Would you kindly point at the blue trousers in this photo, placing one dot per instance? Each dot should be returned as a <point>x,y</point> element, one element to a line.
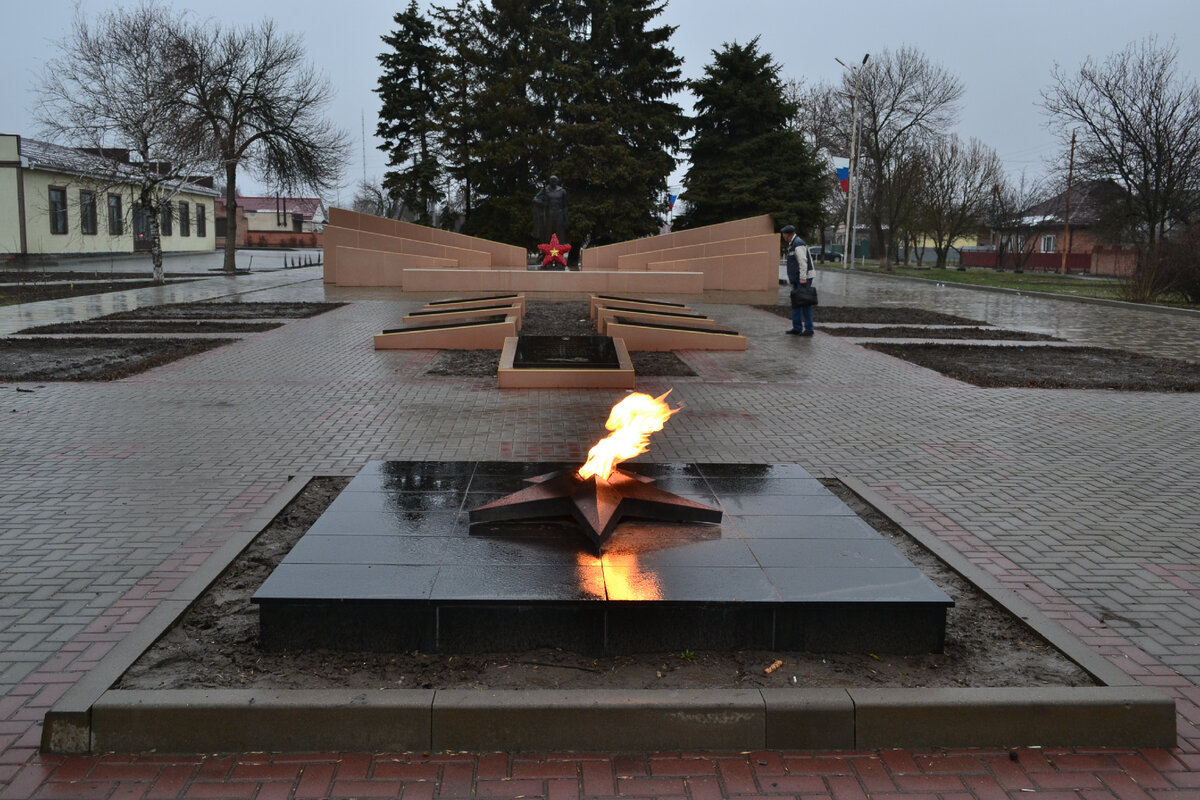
<point>802,317</point>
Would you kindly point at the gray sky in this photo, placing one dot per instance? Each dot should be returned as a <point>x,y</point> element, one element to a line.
<point>1002,51</point>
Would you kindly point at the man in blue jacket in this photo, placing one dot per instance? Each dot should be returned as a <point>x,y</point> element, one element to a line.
<point>797,255</point>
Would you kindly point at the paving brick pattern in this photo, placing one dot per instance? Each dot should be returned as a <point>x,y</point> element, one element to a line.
<point>1086,503</point>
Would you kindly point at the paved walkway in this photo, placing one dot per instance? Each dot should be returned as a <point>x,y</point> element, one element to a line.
<point>1085,502</point>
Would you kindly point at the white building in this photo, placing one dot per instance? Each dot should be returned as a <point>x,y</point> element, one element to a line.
<point>62,201</point>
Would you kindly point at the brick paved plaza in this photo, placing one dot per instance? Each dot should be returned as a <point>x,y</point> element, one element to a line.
<point>1086,503</point>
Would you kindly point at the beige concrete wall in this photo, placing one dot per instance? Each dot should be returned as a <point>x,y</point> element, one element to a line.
<point>460,280</point>
<point>760,243</point>
<point>475,337</point>
<point>606,257</point>
<point>499,254</point>
<point>734,272</point>
<point>369,240</point>
<point>662,339</point>
<point>361,267</point>
<point>413,251</point>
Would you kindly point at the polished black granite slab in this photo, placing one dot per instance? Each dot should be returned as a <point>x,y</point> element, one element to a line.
<point>565,352</point>
<point>393,563</point>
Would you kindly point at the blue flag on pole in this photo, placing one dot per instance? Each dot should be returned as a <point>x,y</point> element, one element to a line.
<point>843,174</point>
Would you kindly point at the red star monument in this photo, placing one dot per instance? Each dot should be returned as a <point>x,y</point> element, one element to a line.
<point>554,253</point>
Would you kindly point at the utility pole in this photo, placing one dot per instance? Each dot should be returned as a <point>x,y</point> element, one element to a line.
<point>1067,215</point>
<point>851,186</point>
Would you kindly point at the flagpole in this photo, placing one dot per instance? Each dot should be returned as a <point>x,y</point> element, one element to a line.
<point>851,195</point>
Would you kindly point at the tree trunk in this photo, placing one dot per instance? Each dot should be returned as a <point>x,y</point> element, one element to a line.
<point>230,216</point>
<point>156,253</point>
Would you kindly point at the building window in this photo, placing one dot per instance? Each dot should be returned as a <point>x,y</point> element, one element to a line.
<point>164,220</point>
<point>116,221</point>
<point>185,219</point>
<point>1049,243</point>
<point>141,223</point>
<point>87,213</point>
<point>201,222</point>
<point>58,209</point>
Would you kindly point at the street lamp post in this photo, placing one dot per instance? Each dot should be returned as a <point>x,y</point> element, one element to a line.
<point>851,186</point>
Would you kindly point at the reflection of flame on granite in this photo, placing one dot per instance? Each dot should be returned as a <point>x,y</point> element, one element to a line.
<point>598,505</point>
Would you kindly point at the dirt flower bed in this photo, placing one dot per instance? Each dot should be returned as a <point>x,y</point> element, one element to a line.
<point>1007,366</point>
<point>215,645</point>
<point>957,332</point>
<point>92,359</point>
<point>226,310</point>
<point>120,326</point>
<point>875,315</point>
<point>1050,367</point>
<point>106,358</point>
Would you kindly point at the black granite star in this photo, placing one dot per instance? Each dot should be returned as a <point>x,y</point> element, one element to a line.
<point>598,505</point>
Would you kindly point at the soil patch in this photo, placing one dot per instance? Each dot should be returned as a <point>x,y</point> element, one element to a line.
<point>999,366</point>
<point>215,644</point>
<point>226,310</point>
<point>120,326</point>
<point>881,315</point>
<point>87,359</point>
<point>957,332</point>
<point>551,319</point>
<point>112,358</point>
<point>1050,367</point>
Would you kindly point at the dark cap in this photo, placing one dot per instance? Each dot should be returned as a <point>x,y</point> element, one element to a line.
<point>787,229</point>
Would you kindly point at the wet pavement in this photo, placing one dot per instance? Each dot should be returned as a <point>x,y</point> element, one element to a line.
<point>184,263</point>
<point>1085,503</point>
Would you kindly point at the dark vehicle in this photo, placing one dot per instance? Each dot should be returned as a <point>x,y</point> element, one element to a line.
<point>819,255</point>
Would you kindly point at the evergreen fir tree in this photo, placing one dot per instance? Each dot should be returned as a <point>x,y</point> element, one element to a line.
<point>504,119</point>
<point>458,78</point>
<point>578,89</point>
<point>744,159</point>
<point>618,130</point>
<point>410,107</point>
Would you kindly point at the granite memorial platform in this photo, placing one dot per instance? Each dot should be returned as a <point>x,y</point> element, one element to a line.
<point>394,564</point>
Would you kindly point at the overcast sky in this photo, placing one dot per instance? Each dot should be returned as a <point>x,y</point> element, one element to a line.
<point>1002,51</point>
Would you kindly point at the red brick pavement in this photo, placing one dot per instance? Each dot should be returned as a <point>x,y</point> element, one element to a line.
<point>977,775</point>
<point>1045,774</point>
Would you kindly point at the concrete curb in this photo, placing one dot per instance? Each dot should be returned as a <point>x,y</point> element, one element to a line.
<point>93,718</point>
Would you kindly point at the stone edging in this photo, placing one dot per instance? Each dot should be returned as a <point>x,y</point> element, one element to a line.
<point>90,717</point>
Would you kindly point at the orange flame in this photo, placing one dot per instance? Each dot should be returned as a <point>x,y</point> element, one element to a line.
<point>631,421</point>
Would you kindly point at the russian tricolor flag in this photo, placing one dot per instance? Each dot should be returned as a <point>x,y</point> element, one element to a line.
<point>843,174</point>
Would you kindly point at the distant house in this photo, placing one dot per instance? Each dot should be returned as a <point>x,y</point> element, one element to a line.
<point>1035,238</point>
<point>275,221</point>
<point>58,201</point>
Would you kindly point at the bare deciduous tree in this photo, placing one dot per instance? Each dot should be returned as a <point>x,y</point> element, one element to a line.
<point>261,104</point>
<point>112,87</point>
<point>956,190</point>
<point>1138,123</point>
<point>372,197</point>
<point>904,101</point>
<point>816,118</point>
<point>1010,218</point>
